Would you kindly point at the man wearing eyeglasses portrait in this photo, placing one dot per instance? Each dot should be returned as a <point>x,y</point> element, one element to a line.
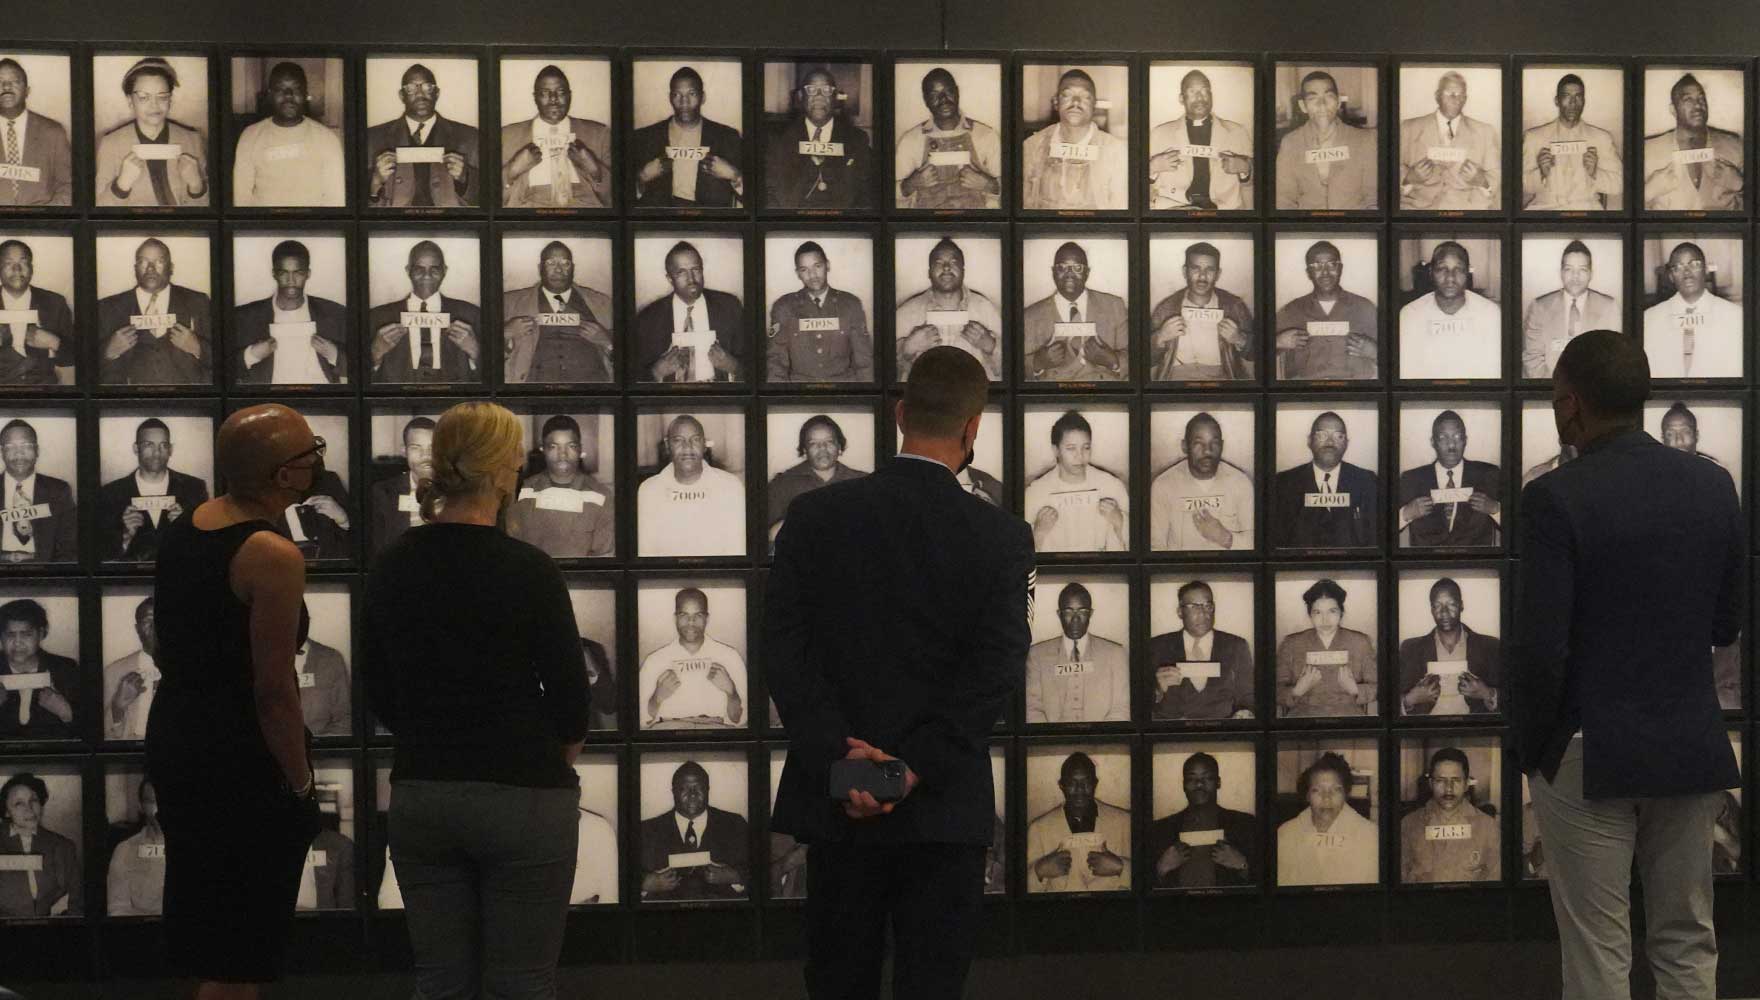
<point>1077,676</point>
<point>399,180</point>
<point>1329,333</point>
<point>1076,333</point>
<point>1200,672</point>
<point>130,173</point>
<point>1693,333</point>
<point>555,160</point>
<point>821,159</point>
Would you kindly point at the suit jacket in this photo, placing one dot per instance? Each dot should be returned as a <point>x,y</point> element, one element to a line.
<point>1348,185</point>
<point>1470,526</point>
<point>399,192</point>
<point>117,143</point>
<point>1484,659</point>
<point>115,497</point>
<point>250,326</point>
<point>387,521</point>
<point>1546,326</point>
<point>560,355</point>
<point>1628,665</point>
<point>649,143</point>
<point>59,879</point>
<point>584,192</point>
<point>47,149</point>
<point>56,536</point>
<point>1112,325</point>
<point>896,612</point>
<point>1221,697</point>
<point>727,838</point>
<point>325,539</point>
<point>1299,526</point>
<point>327,705</point>
<point>455,365</point>
<point>1447,192</point>
<point>654,334</point>
<point>35,366</point>
<point>795,181</point>
<point>1238,828</point>
<point>155,360</point>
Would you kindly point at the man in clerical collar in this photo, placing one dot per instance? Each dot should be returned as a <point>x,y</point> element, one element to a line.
<point>693,827</point>
<point>1056,346</point>
<point>34,713</point>
<point>555,160</point>
<point>320,357</point>
<point>1426,521</point>
<point>562,509</point>
<point>1468,184</point>
<point>1202,502</point>
<point>1327,502</point>
<point>33,353</point>
<point>687,159</point>
<point>1472,686</point>
<point>131,681</point>
<point>50,534</point>
<point>1308,345</point>
<point>133,510</point>
<point>150,354</point>
<point>1586,179</point>
<point>394,499</point>
<point>690,507</point>
<point>1217,342</point>
<point>1341,172</point>
<point>540,342</point>
<point>32,141</point>
<point>833,344</point>
<point>1449,838</point>
<point>1676,176</point>
<point>821,450</point>
<point>425,353</point>
<point>1555,318</point>
<point>1219,846</point>
<point>1693,333</point>
<point>1073,163</point>
<point>123,176</point>
<point>950,313</point>
<point>1453,332</point>
<point>1077,676</point>
<point>695,681</point>
<point>391,183</point>
<point>690,307</point>
<point>1219,179</point>
<point>1081,844</point>
<point>822,159</point>
<point>969,172</point>
<point>288,158</point>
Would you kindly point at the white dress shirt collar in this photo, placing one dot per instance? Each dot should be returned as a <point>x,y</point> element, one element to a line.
<point>146,488</point>
<point>1320,483</point>
<point>1063,304</point>
<point>160,305</point>
<point>824,130</point>
<point>1069,647</point>
<point>1442,123</point>
<point>410,125</point>
<point>701,822</point>
<point>1442,473</point>
<point>1198,647</point>
<point>699,311</point>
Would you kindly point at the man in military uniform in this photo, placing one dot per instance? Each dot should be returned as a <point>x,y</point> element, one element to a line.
<point>820,333</point>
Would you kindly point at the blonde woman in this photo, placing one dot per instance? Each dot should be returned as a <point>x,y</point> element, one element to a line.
<point>473,661</point>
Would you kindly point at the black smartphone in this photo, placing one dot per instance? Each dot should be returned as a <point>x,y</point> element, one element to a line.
<point>882,779</point>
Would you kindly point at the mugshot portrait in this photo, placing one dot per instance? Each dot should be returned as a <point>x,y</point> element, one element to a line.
<point>421,148</point>
<point>1450,804</point>
<point>819,307</point>
<point>1077,120</point>
<point>691,323</point>
<point>1692,119</point>
<point>1571,284</point>
<point>983,478</point>
<point>327,879</point>
<point>694,840</point>
<point>322,664</point>
<point>40,841</point>
<point>1327,623</point>
<point>36,107</point>
<point>1326,120</point>
<point>322,525</point>
<point>567,500</point>
<point>1450,288</point>
<point>808,447</point>
<point>596,854</point>
<point>1202,120</point>
<point>291,321</point>
<point>424,325</point>
<point>400,455</point>
<point>134,874</point>
<point>1202,477</point>
<point>150,121</point>
<point>1204,284</point>
<point>1204,829</point>
<point>595,616</point>
<point>39,519</point>
<point>691,465</point>
<point>558,322</point>
<point>131,674</point>
<point>1078,667</point>
<point>818,122</point>
<point>1450,492</point>
<point>1693,301</point>
<point>1449,625</point>
<point>687,148</point>
<point>949,286</point>
<point>41,696</point>
<point>155,465</point>
<point>1328,491</point>
<point>1202,630</point>
<point>1327,811</point>
<point>788,856</point>
<point>555,120</point>
<point>948,153</point>
<point>1573,138</point>
<point>1078,810</point>
<point>288,117</point>
<point>1327,287</point>
<point>1450,137</point>
<point>39,344</point>
<point>691,636</point>
<point>155,311</point>
<point>1075,299</point>
<point>1077,473</point>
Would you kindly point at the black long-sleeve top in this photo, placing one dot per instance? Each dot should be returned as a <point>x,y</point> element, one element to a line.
<point>472,658</point>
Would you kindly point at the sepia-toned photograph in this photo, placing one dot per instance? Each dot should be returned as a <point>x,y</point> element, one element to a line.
<point>291,321</point>
<point>1327,494</point>
<point>131,670</point>
<point>1202,492</point>
<point>155,311</point>
<point>692,467</point>
<point>39,345</point>
<point>1077,120</point>
<point>595,615</point>
<point>1692,119</point>
<point>567,500</point>
<point>1450,805</point>
<point>1201,633</point>
<point>1327,121</point>
<point>327,879</point>
<point>692,640</point>
<point>1450,137</point>
<point>36,104</point>
<point>400,454</point>
<point>150,116</point>
<point>41,873</point>
<point>788,856</point>
<point>818,121</point>
<point>1451,475</point>
<point>807,448</point>
<point>1201,128</point>
<point>557,322</point>
<point>1078,477</point>
<point>1570,285</point>
<point>1573,138</point>
<point>1078,667</point>
<point>288,117</point>
<point>1693,300</point>
<point>688,149</point>
<point>596,848</point>
<point>322,663</point>
<point>947,155</point>
<point>1326,622</point>
<point>555,132</point>
<point>1448,624</point>
<point>1204,827</point>
<point>948,289</point>
<point>690,315</point>
<point>694,841</point>
<point>155,465</point>
<point>1327,811</point>
<point>1078,808</point>
<point>134,875</point>
<point>1075,296</point>
<point>421,148</point>
<point>1205,285</point>
<point>1450,287</point>
<point>1542,449</point>
<point>988,471</point>
<point>322,525</point>
<point>39,520</point>
<point>40,677</point>
<point>424,289</point>
<point>1327,287</point>
<point>819,323</point>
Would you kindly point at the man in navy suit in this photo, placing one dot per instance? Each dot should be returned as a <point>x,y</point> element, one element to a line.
<point>451,183</point>
<point>1423,521</point>
<point>1632,569</point>
<point>693,826</point>
<point>426,354</point>
<point>1327,503</point>
<point>895,621</point>
<point>51,536</point>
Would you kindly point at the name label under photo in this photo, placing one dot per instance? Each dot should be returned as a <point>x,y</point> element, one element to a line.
<point>558,319</point>
<point>1328,154</point>
<point>1449,831</point>
<point>1704,154</point>
<point>1446,154</point>
<point>1460,494</point>
<point>1326,501</point>
<point>1084,151</point>
<point>950,157</point>
<point>819,324</point>
<point>687,152</point>
<point>421,154</point>
<point>21,173</point>
<point>1069,331</point>
<point>810,148</point>
<point>1328,658</point>
<point>34,512</point>
<point>153,322</point>
<point>425,320</point>
<point>1194,504</point>
<point>1329,328</point>
<point>157,150</point>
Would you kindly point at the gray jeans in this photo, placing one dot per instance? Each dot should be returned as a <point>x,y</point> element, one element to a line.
<point>486,871</point>
<point>1590,847</point>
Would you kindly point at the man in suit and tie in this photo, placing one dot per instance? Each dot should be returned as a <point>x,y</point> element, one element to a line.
<point>394,183</point>
<point>896,621</point>
<point>1554,318</point>
<point>822,159</point>
<point>1077,333</point>
<point>1428,684</point>
<point>1220,664</point>
<point>42,352</point>
<point>138,349</point>
<point>687,160</point>
<point>1327,503</point>
<point>134,509</point>
<point>1449,161</point>
<point>33,146</point>
<point>554,160</point>
<point>401,353</point>
<point>693,826</point>
<point>691,307</point>
<point>319,348</point>
<point>393,499</point>
<point>542,344</point>
<point>46,528</point>
<point>1426,520</point>
<point>1076,676</point>
<point>1632,570</point>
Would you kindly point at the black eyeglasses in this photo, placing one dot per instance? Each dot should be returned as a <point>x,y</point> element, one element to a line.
<point>318,447</point>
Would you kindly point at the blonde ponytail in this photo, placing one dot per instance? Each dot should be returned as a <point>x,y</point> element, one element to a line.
<point>474,444</point>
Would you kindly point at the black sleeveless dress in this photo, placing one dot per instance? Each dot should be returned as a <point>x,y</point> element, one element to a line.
<point>235,836</point>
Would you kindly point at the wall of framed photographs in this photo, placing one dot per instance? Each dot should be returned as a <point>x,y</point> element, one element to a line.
<point>1334,275</point>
